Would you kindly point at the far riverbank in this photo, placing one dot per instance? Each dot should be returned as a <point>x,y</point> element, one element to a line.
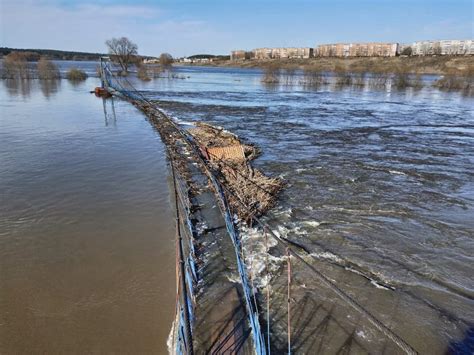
<point>460,65</point>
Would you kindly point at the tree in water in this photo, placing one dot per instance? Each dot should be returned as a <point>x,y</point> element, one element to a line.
<point>15,66</point>
<point>123,51</point>
<point>47,70</point>
<point>166,60</point>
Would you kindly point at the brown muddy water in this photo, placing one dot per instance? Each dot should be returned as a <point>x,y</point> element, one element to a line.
<point>86,225</point>
<point>380,189</point>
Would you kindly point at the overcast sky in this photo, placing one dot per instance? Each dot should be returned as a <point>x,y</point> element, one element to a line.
<point>204,26</point>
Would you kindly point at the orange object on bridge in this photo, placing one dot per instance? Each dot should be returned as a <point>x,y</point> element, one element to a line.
<point>102,92</point>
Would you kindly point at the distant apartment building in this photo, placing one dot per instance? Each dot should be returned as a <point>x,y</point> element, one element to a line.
<point>357,50</point>
<point>372,49</point>
<point>332,50</point>
<point>292,52</point>
<point>284,52</point>
<point>426,48</point>
<point>238,55</point>
<point>241,55</point>
<point>443,47</point>
<point>262,53</point>
<point>151,60</point>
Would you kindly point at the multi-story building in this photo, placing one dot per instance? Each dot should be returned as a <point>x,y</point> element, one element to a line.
<point>262,53</point>
<point>238,55</point>
<point>285,52</point>
<point>443,47</point>
<point>357,50</point>
<point>333,50</point>
<point>373,49</point>
<point>426,48</point>
<point>300,52</point>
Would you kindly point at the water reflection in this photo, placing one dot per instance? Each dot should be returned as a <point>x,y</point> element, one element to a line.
<point>49,87</point>
<point>18,87</point>
<point>109,117</point>
<point>24,87</point>
<point>76,83</point>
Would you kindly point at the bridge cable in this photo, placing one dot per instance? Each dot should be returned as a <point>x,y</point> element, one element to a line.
<point>288,258</point>
<point>267,251</point>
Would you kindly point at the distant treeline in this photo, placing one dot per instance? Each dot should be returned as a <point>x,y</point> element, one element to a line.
<point>34,55</point>
<point>209,56</point>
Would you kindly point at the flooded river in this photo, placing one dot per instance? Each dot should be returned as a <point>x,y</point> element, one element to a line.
<point>379,182</point>
<point>86,225</point>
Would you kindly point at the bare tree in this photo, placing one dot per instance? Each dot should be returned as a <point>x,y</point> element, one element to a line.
<point>76,75</point>
<point>271,74</point>
<point>47,70</point>
<point>123,51</point>
<point>437,49</point>
<point>407,51</point>
<point>15,66</point>
<point>143,74</point>
<point>166,60</point>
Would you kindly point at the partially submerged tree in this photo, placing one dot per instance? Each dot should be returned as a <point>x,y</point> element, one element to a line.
<point>400,79</point>
<point>166,60</point>
<point>47,70</point>
<point>15,66</point>
<point>271,74</point>
<point>123,51</point>
<point>76,75</point>
<point>313,77</point>
<point>458,80</point>
<point>143,74</point>
<point>343,75</point>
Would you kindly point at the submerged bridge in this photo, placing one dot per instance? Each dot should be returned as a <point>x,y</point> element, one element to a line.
<point>240,295</point>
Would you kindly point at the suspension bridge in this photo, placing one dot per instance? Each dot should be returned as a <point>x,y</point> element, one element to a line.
<point>230,299</point>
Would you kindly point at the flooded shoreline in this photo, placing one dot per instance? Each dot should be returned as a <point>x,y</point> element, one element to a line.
<point>422,65</point>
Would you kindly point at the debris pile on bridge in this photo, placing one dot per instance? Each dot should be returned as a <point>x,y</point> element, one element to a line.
<point>230,160</point>
<point>172,139</point>
<point>251,192</point>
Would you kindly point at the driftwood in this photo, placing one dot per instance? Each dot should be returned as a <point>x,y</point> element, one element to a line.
<point>211,136</point>
<point>249,186</point>
<point>172,140</point>
<point>251,192</point>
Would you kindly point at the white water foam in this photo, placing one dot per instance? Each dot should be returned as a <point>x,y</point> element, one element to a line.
<point>312,223</point>
<point>233,278</point>
<point>256,258</point>
<point>379,286</point>
<point>171,341</point>
<point>361,334</point>
<point>178,120</point>
<point>396,172</point>
<point>372,281</point>
<point>328,256</point>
